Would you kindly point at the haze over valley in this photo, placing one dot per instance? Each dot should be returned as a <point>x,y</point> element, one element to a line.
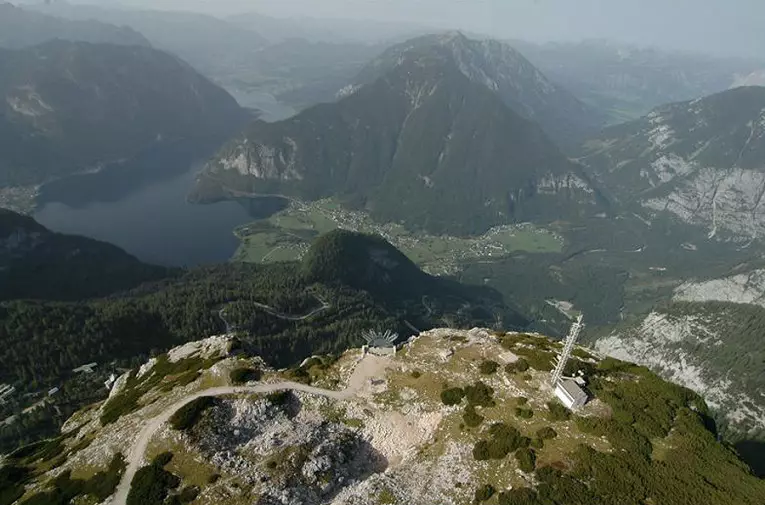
<point>290,253</point>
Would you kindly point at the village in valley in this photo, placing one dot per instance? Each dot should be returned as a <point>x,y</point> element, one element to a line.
<point>287,235</point>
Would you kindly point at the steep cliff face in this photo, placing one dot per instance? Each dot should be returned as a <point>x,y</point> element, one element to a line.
<point>702,161</point>
<point>70,106</point>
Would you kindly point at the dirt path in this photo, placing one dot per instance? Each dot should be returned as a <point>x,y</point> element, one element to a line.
<point>136,455</point>
<point>370,366</point>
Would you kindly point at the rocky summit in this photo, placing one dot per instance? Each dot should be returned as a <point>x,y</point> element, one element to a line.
<point>447,416</point>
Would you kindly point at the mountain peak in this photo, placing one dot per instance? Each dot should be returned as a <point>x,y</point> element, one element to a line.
<point>373,427</point>
<point>422,144</point>
<point>501,69</point>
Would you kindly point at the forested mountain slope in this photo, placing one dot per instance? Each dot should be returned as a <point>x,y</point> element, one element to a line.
<point>71,106</point>
<point>284,311</point>
<point>37,263</point>
<point>505,71</point>
<point>422,145</point>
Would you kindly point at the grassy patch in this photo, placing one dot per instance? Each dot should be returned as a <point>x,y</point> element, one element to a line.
<point>175,374</point>
<point>386,497</point>
<point>286,235</point>
<point>64,489</point>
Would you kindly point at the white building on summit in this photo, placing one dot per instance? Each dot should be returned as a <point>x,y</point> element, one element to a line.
<point>570,394</point>
<point>568,390</point>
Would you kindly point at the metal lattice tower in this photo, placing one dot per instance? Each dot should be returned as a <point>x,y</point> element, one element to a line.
<point>565,354</point>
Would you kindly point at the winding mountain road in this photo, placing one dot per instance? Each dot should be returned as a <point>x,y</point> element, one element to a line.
<point>136,455</point>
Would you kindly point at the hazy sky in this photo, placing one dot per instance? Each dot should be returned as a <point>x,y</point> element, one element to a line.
<point>711,26</point>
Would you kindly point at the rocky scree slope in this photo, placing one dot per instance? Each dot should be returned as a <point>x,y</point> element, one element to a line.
<point>423,145</point>
<point>505,71</point>
<point>455,416</point>
<point>24,28</point>
<point>702,161</point>
<point>714,348</point>
<point>71,106</point>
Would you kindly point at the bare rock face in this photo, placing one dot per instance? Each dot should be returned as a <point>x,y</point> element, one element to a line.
<point>291,455</point>
<point>683,344</point>
<point>702,162</point>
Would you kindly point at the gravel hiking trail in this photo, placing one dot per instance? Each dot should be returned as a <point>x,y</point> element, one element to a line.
<point>367,367</point>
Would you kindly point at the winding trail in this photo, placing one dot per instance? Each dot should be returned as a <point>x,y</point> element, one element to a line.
<point>289,317</point>
<point>136,455</point>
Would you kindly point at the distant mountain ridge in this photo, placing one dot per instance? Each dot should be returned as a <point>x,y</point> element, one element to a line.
<point>21,28</point>
<point>422,144</point>
<point>505,71</point>
<point>627,82</point>
<point>208,43</point>
<point>703,161</point>
<point>70,106</point>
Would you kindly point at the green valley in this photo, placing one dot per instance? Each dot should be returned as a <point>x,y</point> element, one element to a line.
<point>287,235</point>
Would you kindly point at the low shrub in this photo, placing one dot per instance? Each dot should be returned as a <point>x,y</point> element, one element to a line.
<point>151,486</point>
<point>504,440</point>
<point>481,451</point>
<point>484,492</point>
<point>526,459</point>
<point>546,433</point>
<point>521,401</point>
<point>537,358</point>
<point>416,374</point>
<point>63,490</point>
<point>452,396</point>
<point>188,494</point>
<point>521,365</point>
<point>279,398</point>
<point>479,394</point>
<point>12,479</point>
<point>162,459</point>
<point>488,367</point>
<point>243,375</point>
<point>521,496</point>
<point>471,417</point>
<point>524,413</point>
<point>537,443</point>
<point>557,412</point>
<point>188,415</point>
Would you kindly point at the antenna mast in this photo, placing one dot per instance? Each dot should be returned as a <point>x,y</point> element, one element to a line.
<point>565,354</point>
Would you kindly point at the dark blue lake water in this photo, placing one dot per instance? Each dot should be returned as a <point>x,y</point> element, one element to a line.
<point>141,206</point>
